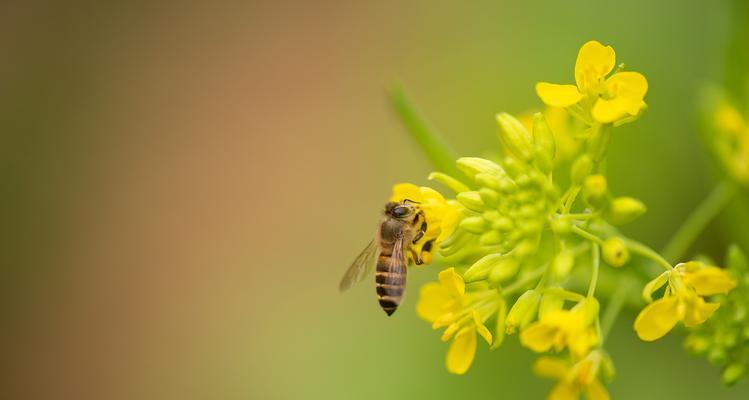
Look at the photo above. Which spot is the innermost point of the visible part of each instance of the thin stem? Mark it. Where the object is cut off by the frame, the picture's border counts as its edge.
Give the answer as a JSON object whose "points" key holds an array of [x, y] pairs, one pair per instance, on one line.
{"points": [[645, 251], [587, 235], [435, 148], [596, 266], [528, 278], [698, 220]]}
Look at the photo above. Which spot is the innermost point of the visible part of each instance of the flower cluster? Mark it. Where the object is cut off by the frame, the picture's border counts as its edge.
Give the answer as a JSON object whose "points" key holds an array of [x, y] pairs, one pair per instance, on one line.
{"points": [[728, 134], [523, 254]]}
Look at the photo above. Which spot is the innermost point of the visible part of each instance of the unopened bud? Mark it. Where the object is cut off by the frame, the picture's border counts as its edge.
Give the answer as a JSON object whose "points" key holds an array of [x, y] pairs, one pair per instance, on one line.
{"points": [[475, 225], [472, 201], [615, 252], [733, 372], [523, 311], [475, 165], [451, 183], [561, 226], [624, 210], [504, 269], [515, 137], [581, 169], [562, 264], [480, 269], [489, 197], [595, 190], [542, 136]]}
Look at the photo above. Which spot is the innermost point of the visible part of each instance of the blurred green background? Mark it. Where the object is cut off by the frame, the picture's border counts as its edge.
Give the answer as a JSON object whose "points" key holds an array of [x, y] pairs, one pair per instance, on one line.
{"points": [[184, 184]]}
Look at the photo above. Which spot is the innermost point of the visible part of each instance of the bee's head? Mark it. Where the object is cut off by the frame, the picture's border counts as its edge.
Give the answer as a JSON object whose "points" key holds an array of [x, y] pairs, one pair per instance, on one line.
{"points": [[402, 210]]}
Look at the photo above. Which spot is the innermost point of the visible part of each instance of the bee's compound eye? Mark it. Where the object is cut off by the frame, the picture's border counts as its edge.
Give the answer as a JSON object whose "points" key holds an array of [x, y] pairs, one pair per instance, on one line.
{"points": [[400, 211]]}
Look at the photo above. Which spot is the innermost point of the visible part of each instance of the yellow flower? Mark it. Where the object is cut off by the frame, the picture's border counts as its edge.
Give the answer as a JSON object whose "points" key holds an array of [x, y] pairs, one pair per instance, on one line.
{"points": [[446, 304], [616, 98], [683, 299], [442, 217], [573, 380], [574, 329]]}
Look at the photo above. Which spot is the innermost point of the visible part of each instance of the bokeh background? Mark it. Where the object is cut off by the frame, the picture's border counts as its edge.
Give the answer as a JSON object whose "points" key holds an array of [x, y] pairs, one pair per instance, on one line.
{"points": [[183, 185]]}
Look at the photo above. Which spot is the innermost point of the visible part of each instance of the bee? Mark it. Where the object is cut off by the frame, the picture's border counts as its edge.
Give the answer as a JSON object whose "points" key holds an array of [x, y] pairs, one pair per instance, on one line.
{"points": [[402, 225]]}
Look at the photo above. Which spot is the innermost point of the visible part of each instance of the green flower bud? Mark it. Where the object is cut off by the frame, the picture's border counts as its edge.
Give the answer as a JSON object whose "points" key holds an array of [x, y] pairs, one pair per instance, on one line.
{"points": [[696, 343], [515, 137], [624, 210], [480, 269], [561, 226], [550, 302], [487, 180], [499, 334], [523, 311], [472, 166], [542, 136], [717, 355], [615, 252], [595, 190], [489, 197], [526, 247], [562, 264], [581, 169], [503, 224], [472, 201], [475, 225], [504, 269], [451, 183], [732, 373], [491, 238]]}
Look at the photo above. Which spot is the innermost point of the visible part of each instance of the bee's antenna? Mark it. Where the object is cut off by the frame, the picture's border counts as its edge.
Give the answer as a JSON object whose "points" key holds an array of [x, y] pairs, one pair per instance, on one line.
{"points": [[410, 201]]}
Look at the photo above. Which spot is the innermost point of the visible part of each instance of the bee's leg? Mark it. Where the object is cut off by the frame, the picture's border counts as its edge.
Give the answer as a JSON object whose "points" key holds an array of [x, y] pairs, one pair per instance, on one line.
{"points": [[422, 228], [416, 257]]}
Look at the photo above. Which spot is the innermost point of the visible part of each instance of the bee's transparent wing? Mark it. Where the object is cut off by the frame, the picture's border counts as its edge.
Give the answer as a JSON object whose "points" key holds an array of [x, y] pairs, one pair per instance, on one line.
{"points": [[360, 268]]}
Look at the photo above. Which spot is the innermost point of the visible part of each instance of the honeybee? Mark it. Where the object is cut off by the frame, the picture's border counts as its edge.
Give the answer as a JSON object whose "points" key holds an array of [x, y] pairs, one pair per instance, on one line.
{"points": [[401, 226]]}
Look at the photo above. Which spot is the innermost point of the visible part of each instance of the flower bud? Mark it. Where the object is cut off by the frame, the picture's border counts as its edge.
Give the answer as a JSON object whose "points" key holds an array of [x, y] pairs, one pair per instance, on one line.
{"points": [[523, 311], [480, 269], [732, 373], [581, 169], [595, 190], [487, 180], [476, 225], [561, 226], [491, 238], [500, 327], [489, 197], [515, 137], [451, 183], [615, 252], [550, 302], [542, 136], [472, 201], [562, 264], [504, 269], [624, 210], [475, 165]]}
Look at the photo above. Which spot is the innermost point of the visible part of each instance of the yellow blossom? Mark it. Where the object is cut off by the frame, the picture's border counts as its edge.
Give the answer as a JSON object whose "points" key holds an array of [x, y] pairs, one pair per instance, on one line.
{"points": [[573, 380], [683, 299], [442, 216], [731, 140], [574, 328], [446, 304], [616, 98]]}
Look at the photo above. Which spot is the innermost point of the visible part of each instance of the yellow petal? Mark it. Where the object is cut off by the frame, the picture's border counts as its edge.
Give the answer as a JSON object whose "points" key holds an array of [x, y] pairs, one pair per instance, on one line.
{"points": [[461, 352], [709, 281], [655, 284], [402, 191], [539, 336], [594, 61], [432, 300], [558, 95], [481, 328], [564, 391], [698, 312], [551, 367], [453, 282], [623, 96], [596, 391], [657, 319]]}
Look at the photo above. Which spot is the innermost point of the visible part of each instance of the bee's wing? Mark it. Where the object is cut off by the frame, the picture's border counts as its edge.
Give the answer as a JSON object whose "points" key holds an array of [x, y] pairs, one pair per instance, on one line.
{"points": [[360, 268]]}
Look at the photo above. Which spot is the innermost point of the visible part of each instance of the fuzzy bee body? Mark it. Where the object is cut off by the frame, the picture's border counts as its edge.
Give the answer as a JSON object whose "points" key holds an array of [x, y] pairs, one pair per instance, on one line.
{"points": [[402, 225]]}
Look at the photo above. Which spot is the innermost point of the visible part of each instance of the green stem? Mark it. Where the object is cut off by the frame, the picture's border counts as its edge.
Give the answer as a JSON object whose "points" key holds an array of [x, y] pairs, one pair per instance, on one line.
{"points": [[698, 220], [596, 266], [435, 148], [587, 235], [647, 252]]}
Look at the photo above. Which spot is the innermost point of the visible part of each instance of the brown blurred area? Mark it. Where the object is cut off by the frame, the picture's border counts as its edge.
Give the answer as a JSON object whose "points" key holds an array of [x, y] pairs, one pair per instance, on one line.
{"points": [[159, 163]]}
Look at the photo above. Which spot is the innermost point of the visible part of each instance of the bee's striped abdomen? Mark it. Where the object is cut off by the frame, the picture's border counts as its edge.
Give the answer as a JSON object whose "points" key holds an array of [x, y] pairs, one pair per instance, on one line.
{"points": [[390, 278]]}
